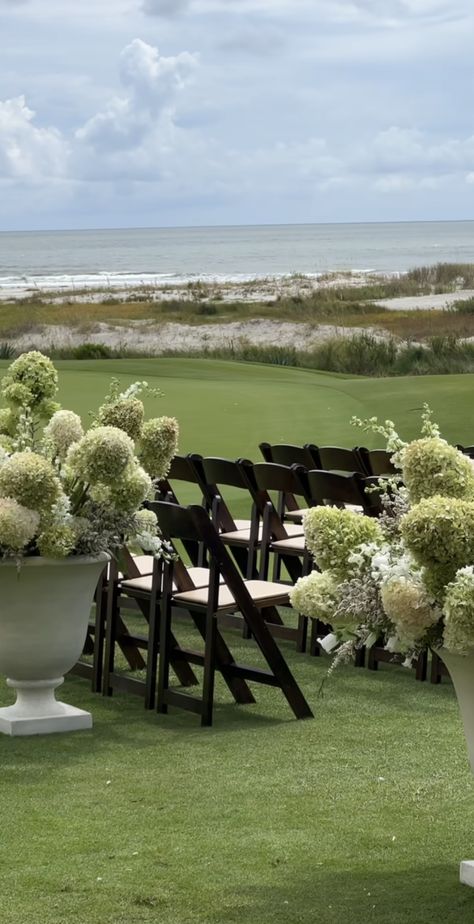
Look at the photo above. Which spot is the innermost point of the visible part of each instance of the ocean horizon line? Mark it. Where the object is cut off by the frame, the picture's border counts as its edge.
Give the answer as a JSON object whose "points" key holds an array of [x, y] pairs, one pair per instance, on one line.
{"points": [[291, 224]]}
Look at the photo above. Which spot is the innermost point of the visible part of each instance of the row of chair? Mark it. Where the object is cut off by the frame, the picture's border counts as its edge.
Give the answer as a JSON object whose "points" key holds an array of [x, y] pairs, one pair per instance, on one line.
{"points": [[330, 458]]}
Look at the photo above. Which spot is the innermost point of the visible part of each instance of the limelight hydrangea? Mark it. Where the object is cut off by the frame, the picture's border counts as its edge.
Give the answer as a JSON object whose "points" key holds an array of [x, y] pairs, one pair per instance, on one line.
{"points": [[125, 413], [146, 520], [102, 455], [458, 611], [31, 480], [332, 535], [63, 430], [18, 525], [129, 492], [431, 466], [7, 421], [408, 607], [315, 595], [158, 445], [440, 531], [57, 541], [30, 380]]}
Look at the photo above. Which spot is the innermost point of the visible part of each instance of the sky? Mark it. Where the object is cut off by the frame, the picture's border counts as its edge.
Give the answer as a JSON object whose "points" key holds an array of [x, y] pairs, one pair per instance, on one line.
{"points": [[155, 113]]}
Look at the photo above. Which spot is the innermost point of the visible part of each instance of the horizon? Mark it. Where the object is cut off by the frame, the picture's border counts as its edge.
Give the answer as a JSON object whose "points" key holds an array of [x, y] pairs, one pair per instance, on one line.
{"points": [[277, 224]]}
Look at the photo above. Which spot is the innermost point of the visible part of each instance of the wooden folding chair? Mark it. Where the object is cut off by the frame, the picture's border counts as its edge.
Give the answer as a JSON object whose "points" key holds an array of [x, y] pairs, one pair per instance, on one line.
{"points": [[337, 489], [338, 459], [243, 536], [377, 654], [187, 471], [377, 461], [287, 454], [138, 572], [250, 598]]}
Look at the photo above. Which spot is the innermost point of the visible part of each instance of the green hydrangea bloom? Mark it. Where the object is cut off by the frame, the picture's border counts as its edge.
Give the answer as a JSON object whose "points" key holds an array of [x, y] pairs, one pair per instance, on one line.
{"points": [[56, 541], [63, 430], [125, 413], [31, 480], [458, 611], [315, 595], [431, 466], [30, 380], [102, 455], [408, 606], [158, 445], [332, 535], [440, 531], [7, 421], [146, 521], [18, 525], [134, 487]]}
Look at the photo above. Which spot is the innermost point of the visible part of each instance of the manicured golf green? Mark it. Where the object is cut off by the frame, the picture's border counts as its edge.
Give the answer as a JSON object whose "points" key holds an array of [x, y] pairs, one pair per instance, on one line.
{"points": [[227, 408], [360, 814]]}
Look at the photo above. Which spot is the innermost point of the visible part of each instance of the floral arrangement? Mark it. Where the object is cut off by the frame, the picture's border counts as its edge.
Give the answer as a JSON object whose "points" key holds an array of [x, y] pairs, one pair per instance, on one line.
{"points": [[65, 491], [406, 578]]}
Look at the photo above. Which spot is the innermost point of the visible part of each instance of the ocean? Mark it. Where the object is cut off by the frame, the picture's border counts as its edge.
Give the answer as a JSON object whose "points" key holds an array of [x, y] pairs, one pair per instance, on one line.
{"points": [[131, 257]]}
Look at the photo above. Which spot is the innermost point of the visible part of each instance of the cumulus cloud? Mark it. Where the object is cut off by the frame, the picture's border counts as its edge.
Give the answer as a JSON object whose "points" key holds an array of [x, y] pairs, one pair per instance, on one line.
{"points": [[27, 150], [152, 83]]}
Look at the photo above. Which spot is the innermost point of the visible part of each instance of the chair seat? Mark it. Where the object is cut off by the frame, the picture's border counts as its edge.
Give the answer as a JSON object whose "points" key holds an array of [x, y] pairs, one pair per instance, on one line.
{"points": [[242, 536], [144, 564], [199, 577], [263, 593], [296, 514], [294, 544]]}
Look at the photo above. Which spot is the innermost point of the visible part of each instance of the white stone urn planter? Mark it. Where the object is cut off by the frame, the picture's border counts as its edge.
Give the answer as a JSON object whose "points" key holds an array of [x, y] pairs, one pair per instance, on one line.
{"points": [[44, 611], [461, 669]]}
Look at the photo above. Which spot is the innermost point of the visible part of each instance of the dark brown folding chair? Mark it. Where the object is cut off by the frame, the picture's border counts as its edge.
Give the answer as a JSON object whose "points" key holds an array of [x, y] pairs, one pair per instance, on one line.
{"points": [[338, 459], [114, 632], [243, 536], [250, 598], [377, 461], [187, 471], [377, 654], [287, 454]]}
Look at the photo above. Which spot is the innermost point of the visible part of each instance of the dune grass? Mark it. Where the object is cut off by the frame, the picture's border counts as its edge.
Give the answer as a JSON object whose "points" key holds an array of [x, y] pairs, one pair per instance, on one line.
{"points": [[360, 814]]}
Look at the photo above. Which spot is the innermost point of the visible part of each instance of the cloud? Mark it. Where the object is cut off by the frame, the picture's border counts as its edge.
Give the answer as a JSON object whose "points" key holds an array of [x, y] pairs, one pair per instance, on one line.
{"points": [[27, 150], [152, 83], [166, 8]]}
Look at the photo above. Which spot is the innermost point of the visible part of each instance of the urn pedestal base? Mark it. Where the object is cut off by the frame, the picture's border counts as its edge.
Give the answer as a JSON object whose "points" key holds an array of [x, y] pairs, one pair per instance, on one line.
{"points": [[38, 712]]}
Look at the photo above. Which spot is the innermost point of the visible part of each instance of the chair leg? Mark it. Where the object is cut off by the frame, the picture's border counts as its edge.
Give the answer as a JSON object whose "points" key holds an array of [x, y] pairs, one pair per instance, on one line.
{"points": [[422, 666], [302, 633], [99, 636], [314, 648], [110, 633], [209, 670], [152, 656], [164, 659]]}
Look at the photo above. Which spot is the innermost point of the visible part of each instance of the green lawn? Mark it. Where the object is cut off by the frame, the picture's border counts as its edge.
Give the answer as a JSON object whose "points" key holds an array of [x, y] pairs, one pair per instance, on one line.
{"points": [[361, 814]]}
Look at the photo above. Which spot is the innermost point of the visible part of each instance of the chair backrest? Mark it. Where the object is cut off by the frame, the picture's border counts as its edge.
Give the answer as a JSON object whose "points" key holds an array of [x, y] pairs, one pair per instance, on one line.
{"points": [[338, 459], [270, 476], [467, 450], [287, 454], [336, 488], [377, 461], [183, 469], [217, 474]]}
